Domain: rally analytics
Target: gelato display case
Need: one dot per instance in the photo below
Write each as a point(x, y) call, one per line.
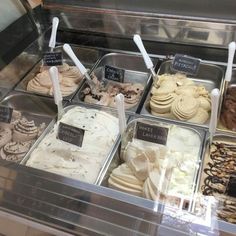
point(76, 171)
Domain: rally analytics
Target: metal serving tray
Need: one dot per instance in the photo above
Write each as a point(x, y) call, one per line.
point(209, 76)
point(115, 160)
point(220, 137)
point(88, 57)
point(40, 110)
point(232, 83)
point(135, 71)
point(11, 74)
point(50, 127)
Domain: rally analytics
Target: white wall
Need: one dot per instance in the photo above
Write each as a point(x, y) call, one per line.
point(10, 10)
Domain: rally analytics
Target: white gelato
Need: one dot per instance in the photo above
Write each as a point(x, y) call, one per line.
point(160, 170)
point(82, 163)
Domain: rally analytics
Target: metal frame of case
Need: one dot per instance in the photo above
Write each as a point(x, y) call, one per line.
point(84, 209)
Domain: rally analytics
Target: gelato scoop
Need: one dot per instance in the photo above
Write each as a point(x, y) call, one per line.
point(178, 97)
point(69, 79)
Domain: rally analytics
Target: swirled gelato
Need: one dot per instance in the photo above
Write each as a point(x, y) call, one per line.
point(25, 130)
point(132, 93)
point(218, 168)
point(178, 97)
point(69, 79)
point(15, 151)
point(159, 172)
point(82, 163)
point(17, 137)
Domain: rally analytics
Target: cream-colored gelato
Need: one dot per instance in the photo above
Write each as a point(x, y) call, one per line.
point(178, 97)
point(123, 179)
point(69, 79)
point(82, 163)
point(160, 171)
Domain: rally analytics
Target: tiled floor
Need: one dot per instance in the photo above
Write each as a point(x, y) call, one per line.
point(13, 228)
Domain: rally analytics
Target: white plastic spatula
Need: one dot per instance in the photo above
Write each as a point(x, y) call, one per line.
point(121, 112)
point(215, 95)
point(52, 41)
point(138, 41)
point(67, 48)
point(53, 71)
point(231, 52)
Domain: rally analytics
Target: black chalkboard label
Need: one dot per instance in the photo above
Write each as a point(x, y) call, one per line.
point(113, 73)
point(231, 188)
point(151, 133)
point(186, 64)
point(70, 134)
point(5, 114)
point(52, 59)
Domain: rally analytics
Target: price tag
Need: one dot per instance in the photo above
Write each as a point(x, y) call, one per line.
point(115, 74)
point(151, 133)
point(52, 59)
point(231, 188)
point(5, 114)
point(70, 134)
point(186, 64)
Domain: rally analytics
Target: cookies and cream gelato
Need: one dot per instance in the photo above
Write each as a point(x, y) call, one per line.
point(82, 163)
point(159, 172)
point(177, 97)
point(17, 137)
point(106, 97)
point(69, 79)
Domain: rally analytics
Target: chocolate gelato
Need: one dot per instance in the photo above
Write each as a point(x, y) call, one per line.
point(106, 96)
point(228, 112)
